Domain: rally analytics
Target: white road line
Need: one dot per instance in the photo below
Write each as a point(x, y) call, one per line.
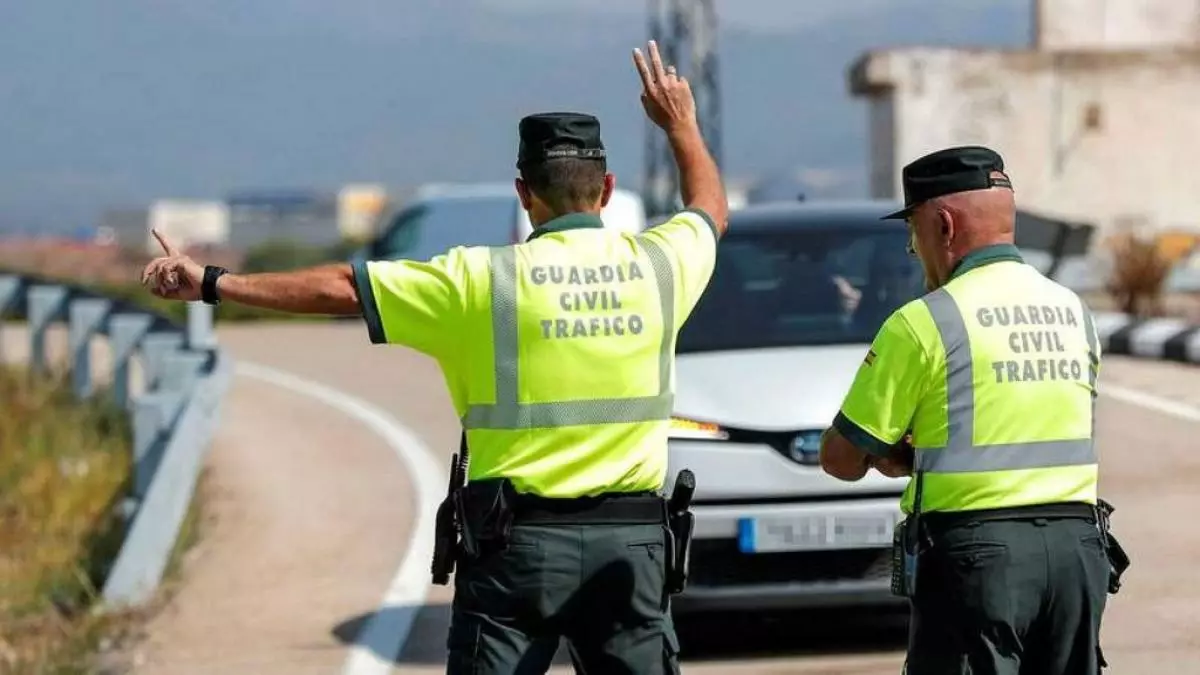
point(1151, 402)
point(384, 635)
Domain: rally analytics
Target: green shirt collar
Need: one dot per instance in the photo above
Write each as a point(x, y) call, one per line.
point(571, 221)
point(986, 256)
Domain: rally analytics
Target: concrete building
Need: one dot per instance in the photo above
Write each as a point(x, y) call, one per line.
point(127, 227)
point(187, 223)
point(309, 217)
point(1096, 120)
point(359, 209)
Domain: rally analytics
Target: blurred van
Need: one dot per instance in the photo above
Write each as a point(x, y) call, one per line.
point(442, 216)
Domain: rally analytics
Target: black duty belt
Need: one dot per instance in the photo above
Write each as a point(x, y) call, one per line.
point(641, 508)
point(941, 520)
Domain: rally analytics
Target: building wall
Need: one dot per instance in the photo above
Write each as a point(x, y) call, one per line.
point(881, 116)
point(1103, 137)
point(128, 226)
point(359, 208)
point(187, 223)
point(1116, 24)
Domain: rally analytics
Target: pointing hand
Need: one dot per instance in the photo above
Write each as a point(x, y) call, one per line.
point(173, 276)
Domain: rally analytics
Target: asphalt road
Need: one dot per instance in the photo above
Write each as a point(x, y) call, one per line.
point(293, 612)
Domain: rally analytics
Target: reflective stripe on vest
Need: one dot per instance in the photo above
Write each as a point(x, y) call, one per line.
point(961, 455)
point(509, 413)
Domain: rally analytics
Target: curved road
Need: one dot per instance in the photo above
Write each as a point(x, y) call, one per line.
point(312, 511)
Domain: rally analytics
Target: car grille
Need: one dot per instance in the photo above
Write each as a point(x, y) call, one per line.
point(776, 439)
point(780, 441)
point(718, 562)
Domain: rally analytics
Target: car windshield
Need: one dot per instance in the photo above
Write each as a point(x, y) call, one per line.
point(802, 286)
point(440, 225)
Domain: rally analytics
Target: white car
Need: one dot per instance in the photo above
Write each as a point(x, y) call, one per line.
point(763, 364)
point(444, 215)
point(624, 212)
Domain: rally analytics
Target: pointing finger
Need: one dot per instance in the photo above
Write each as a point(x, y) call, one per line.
point(166, 245)
point(643, 70)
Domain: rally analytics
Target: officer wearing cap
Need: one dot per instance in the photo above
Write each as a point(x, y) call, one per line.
point(559, 355)
point(984, 391)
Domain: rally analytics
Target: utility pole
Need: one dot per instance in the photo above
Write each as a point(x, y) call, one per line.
point(686, 33)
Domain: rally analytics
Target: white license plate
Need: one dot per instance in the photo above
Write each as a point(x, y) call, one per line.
point(816, 532)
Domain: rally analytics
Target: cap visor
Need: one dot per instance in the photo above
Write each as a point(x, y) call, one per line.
point(899, 215)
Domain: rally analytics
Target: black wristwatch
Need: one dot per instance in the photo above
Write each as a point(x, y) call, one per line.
point(208, 286)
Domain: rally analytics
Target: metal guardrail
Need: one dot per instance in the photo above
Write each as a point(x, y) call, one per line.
point(184, 375)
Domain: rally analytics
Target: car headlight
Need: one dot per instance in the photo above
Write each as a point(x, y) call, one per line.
point(805, 447)
point(681, 427)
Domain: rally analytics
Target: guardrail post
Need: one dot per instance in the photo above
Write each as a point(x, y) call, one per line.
point(155, 347)
point(85, 317)
point(200, 335)
point(45, 304)
point(181, 370)
point(153, 416)
point(10, 292)
point(125, 332)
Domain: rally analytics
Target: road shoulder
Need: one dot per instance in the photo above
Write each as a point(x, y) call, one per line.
point(307, 516)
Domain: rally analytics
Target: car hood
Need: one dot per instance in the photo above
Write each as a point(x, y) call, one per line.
point(773, 389)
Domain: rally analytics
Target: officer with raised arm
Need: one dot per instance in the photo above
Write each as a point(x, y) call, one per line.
point(559, 356)
point(986, 387)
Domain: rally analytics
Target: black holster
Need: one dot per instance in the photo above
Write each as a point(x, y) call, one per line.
point(453, 536)
point(473, 520)
point(906, 545)
point(1118, 559)
point(681, 524)
point(447, 524)
point(445, 543)
point(486, 509)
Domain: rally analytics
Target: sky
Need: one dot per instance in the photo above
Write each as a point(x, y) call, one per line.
point(114, 103)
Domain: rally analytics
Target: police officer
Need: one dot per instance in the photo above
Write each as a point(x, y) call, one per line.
point(986, 386)
point(559, 357)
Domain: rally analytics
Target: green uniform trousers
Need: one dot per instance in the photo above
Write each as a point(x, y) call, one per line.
point(599, 586)
point(1010, 597)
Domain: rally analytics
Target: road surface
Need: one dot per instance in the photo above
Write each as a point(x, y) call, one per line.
point(313, 512)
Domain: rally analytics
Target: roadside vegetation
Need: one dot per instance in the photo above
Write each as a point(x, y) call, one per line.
point(1139, 273)
point(64, 468)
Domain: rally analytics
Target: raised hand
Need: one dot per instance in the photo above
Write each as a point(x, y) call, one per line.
point(173, 276)
point(666, 96)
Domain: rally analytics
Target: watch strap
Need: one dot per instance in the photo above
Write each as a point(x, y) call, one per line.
point(208, 285)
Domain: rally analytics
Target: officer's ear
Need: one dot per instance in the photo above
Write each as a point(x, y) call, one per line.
point(946, 220)
point(610, 184)
point(523, 193)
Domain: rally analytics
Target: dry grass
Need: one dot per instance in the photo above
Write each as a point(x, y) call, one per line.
point(64, 467)
point(1140, 268)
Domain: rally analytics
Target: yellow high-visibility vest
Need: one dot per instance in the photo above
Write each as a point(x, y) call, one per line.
point(558, 352)
point(1002, 406)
